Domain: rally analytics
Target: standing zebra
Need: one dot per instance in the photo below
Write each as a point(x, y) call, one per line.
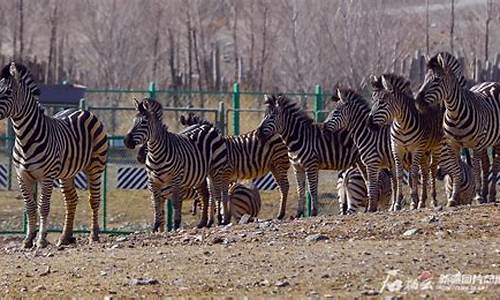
point(49, 148)
point(351, 188)
point(411, 132)
point(250, 156)
point(467, 185)
point(471, 118)
point(373, 143)
point(310, 146)
point(179, 162)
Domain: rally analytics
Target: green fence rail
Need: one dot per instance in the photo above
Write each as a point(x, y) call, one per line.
point(221, 113)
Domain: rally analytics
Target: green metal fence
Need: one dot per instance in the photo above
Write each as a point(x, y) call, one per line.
point(226, 110)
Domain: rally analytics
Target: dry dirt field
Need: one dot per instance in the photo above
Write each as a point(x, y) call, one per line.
point(407, 254)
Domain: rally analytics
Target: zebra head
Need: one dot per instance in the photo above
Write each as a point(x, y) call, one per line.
point(444, 73)
point(17, 89)
point(383, 109)
point(388, 90)
point(349, 106)
point(148, 110)
point(271, 124)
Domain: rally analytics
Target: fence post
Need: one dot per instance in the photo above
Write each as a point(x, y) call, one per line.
point(318, 104)
point(236, 108)
point(82, 104)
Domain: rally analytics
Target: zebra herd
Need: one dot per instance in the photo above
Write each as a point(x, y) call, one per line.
point(371, 143)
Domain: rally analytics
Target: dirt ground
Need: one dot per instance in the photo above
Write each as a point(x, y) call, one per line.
point(409, 253)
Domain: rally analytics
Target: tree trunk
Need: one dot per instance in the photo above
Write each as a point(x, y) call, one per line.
point(489, 5)
point(452, 25)
point(21, 30)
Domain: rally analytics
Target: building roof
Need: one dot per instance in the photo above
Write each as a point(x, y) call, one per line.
point(65, 94)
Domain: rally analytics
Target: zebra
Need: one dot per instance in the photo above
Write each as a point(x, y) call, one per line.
point(374, 144)
point(48, 148)
point(180, 162)
point(310, 146)
point(467, 184)
point(411, 132)
point(244, 200)
point(250, 156)
point(352, 193)
point(471, 118)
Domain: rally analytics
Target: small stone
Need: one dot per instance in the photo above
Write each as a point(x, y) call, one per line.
point(264, 282)
point(328, 296)
point(245, 219)
point(143, 281)
point(39, 288)
point(121, 239)
point(424, 276)
point(411, 232)
point(325, 276)
point(45, 272)
point(395, 286)
point(23, 289)
point(370, 293)
point(316, 238)
point(217, 240)
point(115, 246)
point(104, 273)
point(280, 283)
point(108, 297)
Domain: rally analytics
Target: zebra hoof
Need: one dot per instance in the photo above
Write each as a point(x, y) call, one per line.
point(451, 203)
point(41, 243)
point(314, 212)
point(202, 224)
point(421, 205)
point(93, 239)
point(27, 243)
point(480, 199)
point(280, 216)
point(64, 241)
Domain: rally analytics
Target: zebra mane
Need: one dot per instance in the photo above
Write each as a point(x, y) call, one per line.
point(294, 107)
point(193, 119)
point(446, 61)
point(24, 75)
point(398, 82)
point(350, 95)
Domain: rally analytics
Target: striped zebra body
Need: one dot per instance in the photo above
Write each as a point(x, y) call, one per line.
point(179, 161)
point(471, 118)
point(310, 146)
point(467, 184)
point(250, 156)
point(244, 200)
point(373, 143)
point(48, 148)
point(351, 188)
point(411, 132)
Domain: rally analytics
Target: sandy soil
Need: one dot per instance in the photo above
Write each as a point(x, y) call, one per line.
point(320, 257)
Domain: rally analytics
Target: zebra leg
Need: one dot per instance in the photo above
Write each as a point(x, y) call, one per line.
point(372, 188)
point(485, 167)
point(157, 201)
point(394, 186)
point(476, 171)
point(26, 187)
point(300, 176)
point(414, 173)
point(456, 175)
point(43, 210)
point(177, 204)
point(94, 180)
point(70, 201)
point(281, 177)
point(433, 170)
point(495, 168)
point(312, 180)
point(204, 195)
point(399, 182)
point(424, 169)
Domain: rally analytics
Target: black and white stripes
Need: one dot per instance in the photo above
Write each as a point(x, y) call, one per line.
point(49, 148)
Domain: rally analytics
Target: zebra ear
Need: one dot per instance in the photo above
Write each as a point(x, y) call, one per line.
point(376, 83)
point(13, 71)
point(136, 103)
point(269, 99)
point(386, 84)
point(434, 64)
